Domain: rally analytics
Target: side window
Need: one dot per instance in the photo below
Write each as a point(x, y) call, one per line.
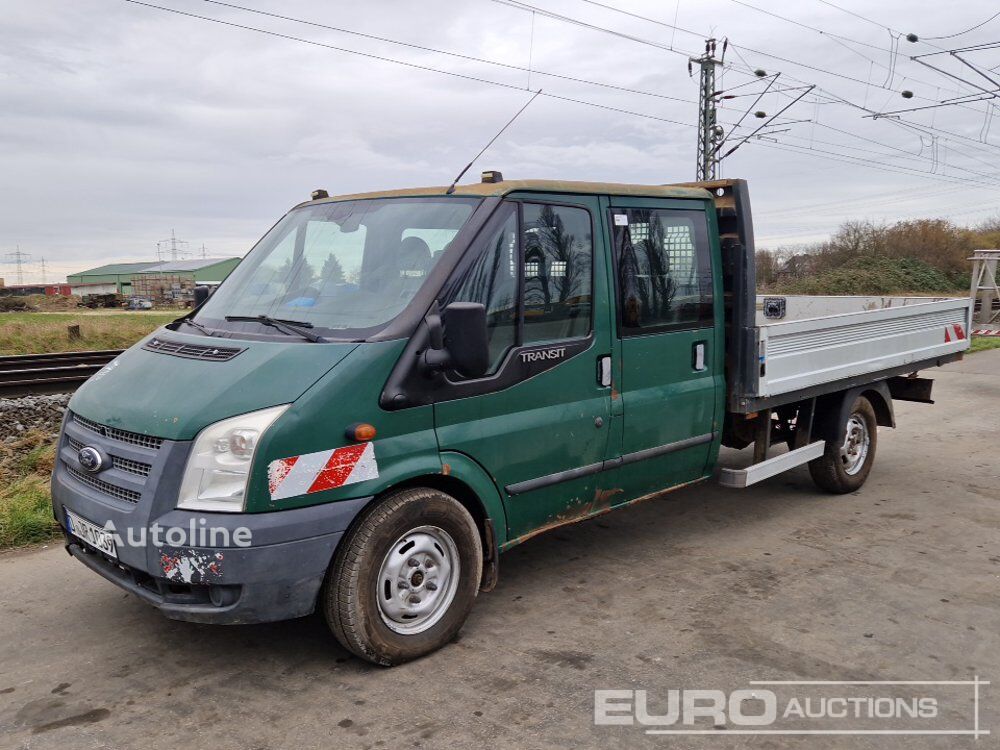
point(555, 289)
point(558, 270)
point(490, 278)
point(664, 269)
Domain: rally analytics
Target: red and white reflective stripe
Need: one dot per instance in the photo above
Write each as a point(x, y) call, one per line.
point(323, 470)
point(958, 330)
point(986, 332)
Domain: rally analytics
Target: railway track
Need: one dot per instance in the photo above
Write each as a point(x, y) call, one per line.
point(58, 372)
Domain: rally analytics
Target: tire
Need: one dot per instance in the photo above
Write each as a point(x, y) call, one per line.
point(405, 578)
point(847, 462)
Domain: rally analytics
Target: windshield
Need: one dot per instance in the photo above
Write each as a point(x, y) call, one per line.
point(341, 269)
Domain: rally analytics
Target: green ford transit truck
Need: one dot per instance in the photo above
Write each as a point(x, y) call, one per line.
point(393, 388)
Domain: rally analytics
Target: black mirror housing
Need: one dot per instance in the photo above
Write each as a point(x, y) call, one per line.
point(466, 339)
point(201, 293)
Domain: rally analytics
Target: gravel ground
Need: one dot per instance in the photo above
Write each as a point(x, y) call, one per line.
point(18, 415)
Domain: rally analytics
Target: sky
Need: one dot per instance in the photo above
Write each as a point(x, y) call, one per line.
point(121, 123)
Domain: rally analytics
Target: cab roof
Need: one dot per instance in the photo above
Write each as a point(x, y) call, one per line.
point(504, 187)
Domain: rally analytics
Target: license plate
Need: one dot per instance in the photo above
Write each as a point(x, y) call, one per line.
point(92, 534)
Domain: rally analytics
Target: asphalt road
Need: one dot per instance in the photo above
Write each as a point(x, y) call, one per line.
point(706, 588)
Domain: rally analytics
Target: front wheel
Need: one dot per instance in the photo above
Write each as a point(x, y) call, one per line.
point(404, 580)
point(847, 462)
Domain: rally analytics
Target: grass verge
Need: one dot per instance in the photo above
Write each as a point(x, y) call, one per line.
point(982, 343)
point(25, 505)
point(36, 333)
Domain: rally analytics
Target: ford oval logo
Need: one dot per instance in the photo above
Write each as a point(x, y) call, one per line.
point(90, 459)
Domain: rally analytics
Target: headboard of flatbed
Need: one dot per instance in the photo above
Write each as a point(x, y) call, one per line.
point(739, 283)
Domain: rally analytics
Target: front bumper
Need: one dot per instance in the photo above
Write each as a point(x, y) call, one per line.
point(276, 577)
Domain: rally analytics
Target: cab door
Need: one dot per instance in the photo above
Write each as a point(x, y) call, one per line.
point(538, 421)
point(669, 341)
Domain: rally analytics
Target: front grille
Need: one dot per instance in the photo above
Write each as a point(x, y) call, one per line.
point(192, 351)
point(129, 496)
point(138, 468)
point(132, 467)
point(122, 436)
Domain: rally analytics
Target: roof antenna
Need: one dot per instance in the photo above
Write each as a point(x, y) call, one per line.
point(461, 174)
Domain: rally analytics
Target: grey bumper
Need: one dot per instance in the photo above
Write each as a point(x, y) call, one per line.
point(230, 585)
point(214, 580)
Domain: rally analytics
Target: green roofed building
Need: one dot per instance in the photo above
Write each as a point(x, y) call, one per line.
point(194, 271)
point(119, 274)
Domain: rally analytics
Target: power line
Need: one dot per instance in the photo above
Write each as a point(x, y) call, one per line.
point(971, 28)
point(838, 38)
point(17, 257)
point(896, 148)
point(518, 5)
point(904, 123)
point(800, 24)
point(526, 7)
point(992, 178)
point(882, 198)
point(395, 61)
point(856, 15)
point(523, 6)
point(857, 160)
point(449, 53)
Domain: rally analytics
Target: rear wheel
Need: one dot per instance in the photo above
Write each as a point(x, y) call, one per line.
point(404, 581)
point(847, 461)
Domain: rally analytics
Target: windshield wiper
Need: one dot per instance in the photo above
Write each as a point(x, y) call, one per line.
point(293, 327)
point(199, 326)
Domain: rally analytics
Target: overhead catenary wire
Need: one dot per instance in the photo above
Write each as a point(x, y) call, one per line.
point(861, 161)
point(521, 5)
point(527, 7)
point(449, 53)
point(966, 31)
point(993, 178)
point(405, 63)
point(524, 6)
point(479, 79)
point(839, 39)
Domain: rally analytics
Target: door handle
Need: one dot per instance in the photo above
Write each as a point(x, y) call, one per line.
point(604, 371)
point(698, 356)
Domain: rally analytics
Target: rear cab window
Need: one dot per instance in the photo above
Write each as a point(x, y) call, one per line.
point(663, 269)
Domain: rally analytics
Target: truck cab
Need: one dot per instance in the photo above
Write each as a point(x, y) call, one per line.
point(394, 388)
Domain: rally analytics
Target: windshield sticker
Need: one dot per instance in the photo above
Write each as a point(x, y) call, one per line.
point(621, 220)
point(323, 470)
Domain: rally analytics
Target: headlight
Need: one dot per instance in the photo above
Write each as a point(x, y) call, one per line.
point(216, 475)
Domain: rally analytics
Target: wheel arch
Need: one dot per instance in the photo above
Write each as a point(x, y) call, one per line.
point(834, 409)
point(463, 479)
point(881, 402)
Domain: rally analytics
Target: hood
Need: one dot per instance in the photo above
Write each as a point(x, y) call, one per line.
point(174, 397)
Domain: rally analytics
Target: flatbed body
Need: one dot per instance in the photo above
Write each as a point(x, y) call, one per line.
point(785, 348)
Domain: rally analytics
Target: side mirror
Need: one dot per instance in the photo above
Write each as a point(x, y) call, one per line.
point(201, 293)
point(466, 339)
point(458, 340)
